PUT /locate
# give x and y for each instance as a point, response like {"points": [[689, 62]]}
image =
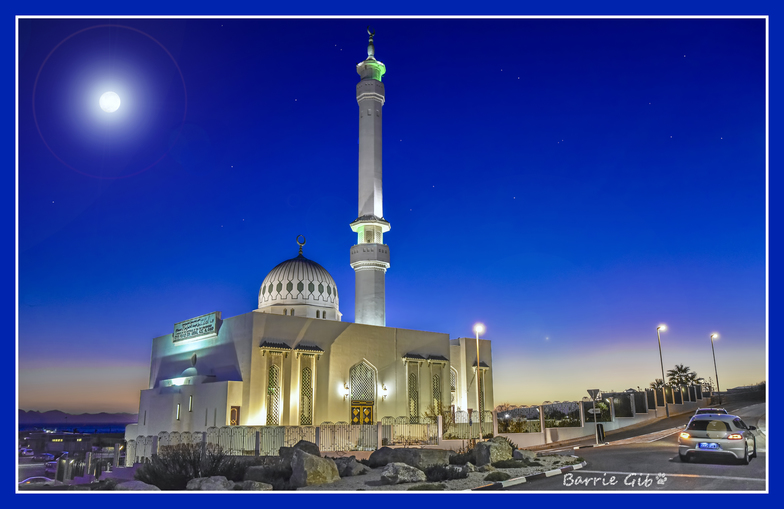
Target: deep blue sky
{"points": [[570, 183]]}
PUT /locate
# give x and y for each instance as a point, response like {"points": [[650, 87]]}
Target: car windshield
{"points": [[706, 425]]}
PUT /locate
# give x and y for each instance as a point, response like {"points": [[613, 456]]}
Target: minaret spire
{"points": [[370, 256]]}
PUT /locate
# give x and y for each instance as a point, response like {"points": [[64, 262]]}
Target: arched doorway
{"points": [[363, 394]]}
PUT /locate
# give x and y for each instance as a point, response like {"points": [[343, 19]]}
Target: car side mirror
{"points": [[752, 428]]}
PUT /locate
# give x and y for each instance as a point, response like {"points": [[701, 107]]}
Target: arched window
{"points": [[318, 314], [285, 311], [292, 312]]}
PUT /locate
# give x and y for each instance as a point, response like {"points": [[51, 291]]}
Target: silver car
{"points": [[717, 435]]}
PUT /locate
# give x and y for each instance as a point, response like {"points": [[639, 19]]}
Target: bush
{"points": [[427, 487], [175, 465], [497, 476], [438, 473], [463, 456]]}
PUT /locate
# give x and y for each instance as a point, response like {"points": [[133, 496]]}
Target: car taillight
{"points": [[735, 436], [685, 435]]}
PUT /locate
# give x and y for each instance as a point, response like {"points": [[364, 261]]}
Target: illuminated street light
{"points": [[664, 391], [716, 371], [478, 329]]}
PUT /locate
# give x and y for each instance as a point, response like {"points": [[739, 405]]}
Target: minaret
{"points": [[370, 256]]}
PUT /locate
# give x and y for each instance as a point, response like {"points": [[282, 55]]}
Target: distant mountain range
{"points": [[58, 417]]}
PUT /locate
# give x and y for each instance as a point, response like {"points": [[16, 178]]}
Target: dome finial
{"points": [[371, 49], [300, 243]]}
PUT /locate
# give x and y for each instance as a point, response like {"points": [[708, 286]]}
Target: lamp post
{"points": [[664, 385], [715, 371], [478, 329]]}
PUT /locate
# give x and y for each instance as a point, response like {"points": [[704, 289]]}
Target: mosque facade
{"points": [[293, 361]]}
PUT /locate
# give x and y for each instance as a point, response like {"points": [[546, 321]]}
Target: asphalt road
{"points": [[646, 459]]}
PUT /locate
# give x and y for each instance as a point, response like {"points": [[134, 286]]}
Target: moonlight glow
{"points": [[109, 102]]}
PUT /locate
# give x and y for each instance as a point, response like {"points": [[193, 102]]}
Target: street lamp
{"points": [[664, 392], [718, 389], [478, 329]]}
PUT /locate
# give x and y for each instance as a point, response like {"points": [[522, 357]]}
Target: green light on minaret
{"points": [[371, 69]]}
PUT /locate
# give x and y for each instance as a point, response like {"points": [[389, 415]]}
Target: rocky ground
{"points": [[371, 481]]}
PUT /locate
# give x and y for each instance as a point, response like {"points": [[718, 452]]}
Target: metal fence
{"points": [[342, 436], [401, 431]]}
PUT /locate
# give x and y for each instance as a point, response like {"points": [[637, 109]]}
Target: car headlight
{"points": [[735, 436], [685, 435]]}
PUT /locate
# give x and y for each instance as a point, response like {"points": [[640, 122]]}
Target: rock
{"points": [[309, 469], [471, 467], [214, 483], [492, 451], [486, 468], [522, 454], [461, 470], [262, 473], [399, 473], [349, 467], [288, 452], [136, 486], [417, 458], [252, 486]]}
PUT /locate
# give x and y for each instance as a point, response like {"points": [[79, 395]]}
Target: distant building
{"points": [[74, 443], [293, 361]]}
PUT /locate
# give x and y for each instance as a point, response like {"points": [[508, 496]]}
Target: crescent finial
{"points": [[300, 243], [371, 50]]}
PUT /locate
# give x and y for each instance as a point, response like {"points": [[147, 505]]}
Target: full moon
{"points": [[109, 102]]}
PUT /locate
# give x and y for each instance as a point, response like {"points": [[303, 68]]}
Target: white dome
{"points": [[300, 287]]}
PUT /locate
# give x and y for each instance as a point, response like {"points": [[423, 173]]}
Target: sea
{"points": [[76, 428]]}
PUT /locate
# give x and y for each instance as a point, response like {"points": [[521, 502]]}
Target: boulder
{"points": [[522, 454], [136, 486], [288, 452], [252, 486], [309, 469], [493, 450], [417, 458], [461, 470], [214, 483], [486, 468], [471, 467], [399, 473], [349, 467]]}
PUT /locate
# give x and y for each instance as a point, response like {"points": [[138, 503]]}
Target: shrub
{"points": [[513, 445], [175, 465], [463, 456], [437, 473], [497, 476], [427, 487]]}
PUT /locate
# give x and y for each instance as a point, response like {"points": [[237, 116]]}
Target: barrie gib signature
{"points": [[631, 480]]}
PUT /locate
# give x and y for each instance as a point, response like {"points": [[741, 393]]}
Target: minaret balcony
{"points": [[363, 253]]}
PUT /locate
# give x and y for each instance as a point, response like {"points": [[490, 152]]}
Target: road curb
{"points": [[592, 445], [520, 480]]}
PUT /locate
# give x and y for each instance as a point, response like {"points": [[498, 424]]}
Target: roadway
{"points": [[646, 459]]}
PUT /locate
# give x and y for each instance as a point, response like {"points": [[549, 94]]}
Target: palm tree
{"points": [[681, 375], [657, 384]]}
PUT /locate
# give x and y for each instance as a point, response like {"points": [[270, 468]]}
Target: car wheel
{"points": [[684, 457], [745, 459]]}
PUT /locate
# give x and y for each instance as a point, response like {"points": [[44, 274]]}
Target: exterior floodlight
{"points": [[479, 329], [661, 327]]}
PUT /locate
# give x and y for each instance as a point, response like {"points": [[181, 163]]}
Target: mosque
{"points": [[293, 361]]}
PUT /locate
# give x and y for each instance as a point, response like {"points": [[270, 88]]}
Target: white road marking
{"points": [[678, 475]]}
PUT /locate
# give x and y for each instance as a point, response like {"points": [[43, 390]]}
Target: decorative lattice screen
{"points": [[306, 397], [413, 398], [453, 385], [437, 393], [273, 396], [481, 394], [363, 383]]}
